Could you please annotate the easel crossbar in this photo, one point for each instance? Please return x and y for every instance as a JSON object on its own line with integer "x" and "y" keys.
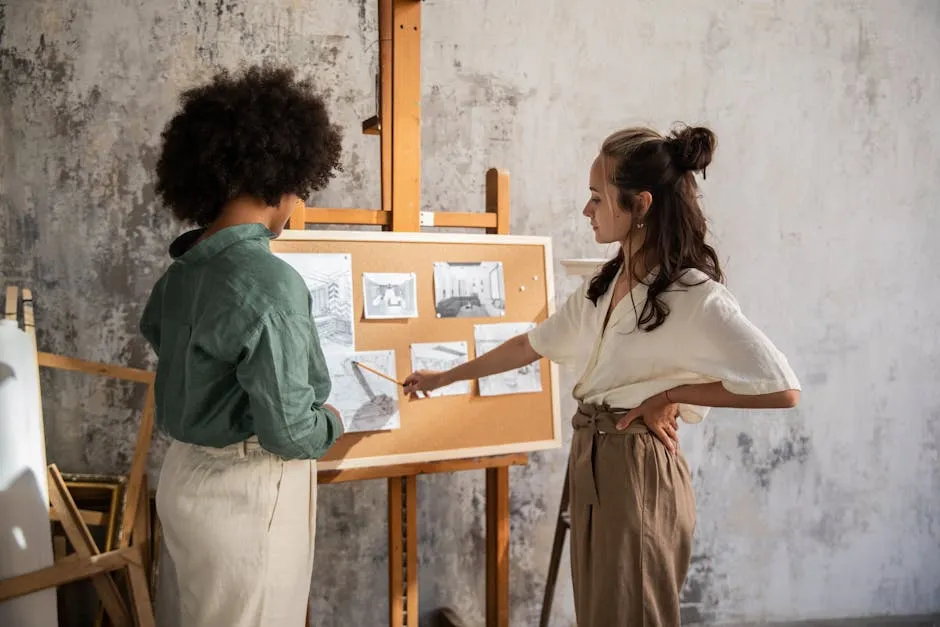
{"x": 68, "y": 569}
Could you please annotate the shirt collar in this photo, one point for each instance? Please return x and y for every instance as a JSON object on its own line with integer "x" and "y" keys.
{"x": 187, "y": 249}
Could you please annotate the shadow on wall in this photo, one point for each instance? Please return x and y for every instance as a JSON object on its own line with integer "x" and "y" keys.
{"x": 443, "y": 617}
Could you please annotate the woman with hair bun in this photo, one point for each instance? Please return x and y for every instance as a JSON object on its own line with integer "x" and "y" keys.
{"x": 241, "y": 383}
{"x": 656, "y": 336}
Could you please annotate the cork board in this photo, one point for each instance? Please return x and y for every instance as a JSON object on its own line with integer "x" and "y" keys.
{"x": 444, "y": 427}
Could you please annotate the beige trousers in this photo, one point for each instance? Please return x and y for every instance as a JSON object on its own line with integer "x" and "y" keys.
{"x": 632, "y": 520}
{"x": 238, "y": 524}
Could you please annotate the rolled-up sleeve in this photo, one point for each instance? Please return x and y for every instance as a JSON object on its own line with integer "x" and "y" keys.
{"x": 734, "y": 351}
{"x": 286, "y": 378}
{"x": 557, "y": 337}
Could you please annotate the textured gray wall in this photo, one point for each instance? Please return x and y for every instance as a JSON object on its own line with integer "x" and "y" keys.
{"x": 823, "y": 198}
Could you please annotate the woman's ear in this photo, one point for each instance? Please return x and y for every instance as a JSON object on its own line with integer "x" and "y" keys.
{"x": 643, "y": 202}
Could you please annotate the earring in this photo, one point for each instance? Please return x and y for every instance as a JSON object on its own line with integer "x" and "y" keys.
{"x": 640, "y": 225}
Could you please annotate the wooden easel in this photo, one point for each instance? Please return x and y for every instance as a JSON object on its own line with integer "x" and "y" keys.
{"x": 134, "y": 536}
{"x": 562, "y": 526}
{"x": 398, "y": 124}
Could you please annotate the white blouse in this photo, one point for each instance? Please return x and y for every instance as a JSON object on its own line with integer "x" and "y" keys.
{"x": 704, "y": 339}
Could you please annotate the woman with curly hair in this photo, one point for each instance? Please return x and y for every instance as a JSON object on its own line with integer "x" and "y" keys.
{"x": 241, "y": 383}
{"x": 656, "y": 336}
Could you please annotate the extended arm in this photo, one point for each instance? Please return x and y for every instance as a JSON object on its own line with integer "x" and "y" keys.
{"x": 511, "y": 354}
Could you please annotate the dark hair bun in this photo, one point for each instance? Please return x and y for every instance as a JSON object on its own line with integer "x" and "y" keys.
{"x": 691, "y": 147}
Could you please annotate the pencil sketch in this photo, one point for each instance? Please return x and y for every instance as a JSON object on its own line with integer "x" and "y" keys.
{"x": 469, "y": 289}
{"x": 367, "y": 401}
{"x": 525, "y": 379}
{"x": 390, "y": 295}
{"x": 328, "y": 277}
{"x": 441, "y": 356}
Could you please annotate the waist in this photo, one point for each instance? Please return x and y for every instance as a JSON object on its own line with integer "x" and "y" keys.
{"x": 602, "y": 419}
{"x": 249, "y": 446}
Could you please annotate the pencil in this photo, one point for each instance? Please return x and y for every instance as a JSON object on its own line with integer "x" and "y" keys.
{"x": 374, "y": 371}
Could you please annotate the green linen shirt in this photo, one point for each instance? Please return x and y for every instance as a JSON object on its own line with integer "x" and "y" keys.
{"x": 238, "y": 352}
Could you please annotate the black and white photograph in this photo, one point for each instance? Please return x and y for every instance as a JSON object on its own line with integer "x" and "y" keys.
{"x": 441, "y": 356}
{"x": 390, "y": 295}
{"x": 474, "y": 289}
{"x": 525, "y": 379}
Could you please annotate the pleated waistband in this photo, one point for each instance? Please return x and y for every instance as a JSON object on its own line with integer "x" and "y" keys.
{"x": 602, "y": 419}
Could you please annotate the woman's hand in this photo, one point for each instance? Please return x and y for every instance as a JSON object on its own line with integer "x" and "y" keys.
{"x": 660, "y": 416}
{"x": 423, "y": 381}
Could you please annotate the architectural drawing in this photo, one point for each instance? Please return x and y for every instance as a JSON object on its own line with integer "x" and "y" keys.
{"x": 469, "y": 289}
{"x": 329, "y": 280}
{"x": 525, "y": 379}
{"x": 390, "y": 295}
{"x": 367, "y": 401}
{"x": 441, "y": 356}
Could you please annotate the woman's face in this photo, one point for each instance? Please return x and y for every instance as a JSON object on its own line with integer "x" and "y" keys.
{"x": 609, "y": 221}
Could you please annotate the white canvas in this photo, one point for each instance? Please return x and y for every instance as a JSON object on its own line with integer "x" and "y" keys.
{"x": 390, "y": 295}
{"x": 328, "y": 277}
{"x": 441, "y": 356}
{"x": 367, "y": 401}
{"x": 469, "y": 289}
{"x": 525, "y": 379}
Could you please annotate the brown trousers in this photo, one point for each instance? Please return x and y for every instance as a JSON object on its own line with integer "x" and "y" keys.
{"x": 632, "y": 520}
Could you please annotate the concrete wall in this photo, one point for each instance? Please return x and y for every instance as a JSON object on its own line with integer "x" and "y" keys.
{"x": 823, "y": 198}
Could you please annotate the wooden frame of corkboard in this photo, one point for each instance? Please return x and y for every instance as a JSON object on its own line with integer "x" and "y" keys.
{"x": 444, "y": 427}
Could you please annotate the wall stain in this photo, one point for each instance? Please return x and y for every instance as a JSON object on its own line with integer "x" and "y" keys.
{"x": 795, "y": 448}
{"x": 363, "y": 22}
{"x": 698, "y": 601}
{"x": 491, "y": 90}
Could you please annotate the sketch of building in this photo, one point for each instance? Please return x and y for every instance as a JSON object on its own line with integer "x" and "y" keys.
{"x": 367, "y": 401}
{"x": 441, "y": 356}
{"x": 469, "y": 289}
{"x": 526, "y": 379}
{"x": 328, "y": 277}
{"x": 390, "y": 295}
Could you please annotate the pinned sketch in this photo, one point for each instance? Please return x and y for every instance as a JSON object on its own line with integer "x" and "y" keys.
{"x": 474, "y": 289}
{"x": 525, "y": 379}
{"x": 441, "y": 356}
{"x": 367, "y": 401}
{"x": 328, "y": 277}
{"x": 390, "y": 295}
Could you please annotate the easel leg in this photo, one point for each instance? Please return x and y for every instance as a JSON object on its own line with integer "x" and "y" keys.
{"x": 497, "y": 547}
{"x": 137, "y": 572}
{"x": 411, "y": 551}
{"x": 140, "y": 590}
{"x": 394, "y": 553}
{"x": 403, "y": 552}
{"x": 561, "y": 528}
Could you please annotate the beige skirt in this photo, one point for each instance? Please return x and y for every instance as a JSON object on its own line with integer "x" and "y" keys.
{"x": 632, "y": 520}
{"x": 238, "y": 526}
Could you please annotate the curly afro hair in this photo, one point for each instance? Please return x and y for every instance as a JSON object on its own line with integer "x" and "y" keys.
{"x": 262, "y": 133}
